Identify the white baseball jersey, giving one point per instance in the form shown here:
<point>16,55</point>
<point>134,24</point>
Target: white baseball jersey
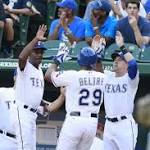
<point>119,94</point>
<point>84,94</point>
<point>29,85</point>
<point>84,89</point>
<point>29,91</point>
<point>8,118</point>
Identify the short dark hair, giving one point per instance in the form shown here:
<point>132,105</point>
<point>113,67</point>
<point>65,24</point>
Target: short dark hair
<point>137,2</point>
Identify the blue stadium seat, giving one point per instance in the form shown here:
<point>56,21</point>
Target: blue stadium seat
<point>131,47</point>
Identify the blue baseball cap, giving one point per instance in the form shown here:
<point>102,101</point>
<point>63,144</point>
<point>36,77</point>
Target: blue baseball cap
<point>71,4</point>
<point>147,6</point>
<point>101,4</point>
<point>117,53</point>
<point>39,45</point>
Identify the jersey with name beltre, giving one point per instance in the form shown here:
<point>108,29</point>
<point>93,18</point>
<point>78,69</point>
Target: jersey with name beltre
<point>119,94</point>
<point>84,89</point>
<point>29,85</point>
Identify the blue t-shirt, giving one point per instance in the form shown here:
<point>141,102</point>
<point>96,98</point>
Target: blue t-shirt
<point>77,26</point>
<point>127,32</point>
<point>108,29</point>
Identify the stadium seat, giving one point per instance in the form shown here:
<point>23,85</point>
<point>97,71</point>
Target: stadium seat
<point>24,22</point>
<point>51,12</point>
<point>77,48</point>
<point>145,55</point>
<point>52,48</point>
<point>131,47</point>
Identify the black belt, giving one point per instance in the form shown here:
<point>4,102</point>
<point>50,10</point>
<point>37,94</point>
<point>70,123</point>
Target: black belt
<point>31,109</point>
<point>7,134</point>
<point>116,119</point>
<point>77,113</point>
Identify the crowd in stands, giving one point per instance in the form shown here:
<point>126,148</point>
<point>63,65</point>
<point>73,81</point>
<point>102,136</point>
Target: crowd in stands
<point>101,17</point>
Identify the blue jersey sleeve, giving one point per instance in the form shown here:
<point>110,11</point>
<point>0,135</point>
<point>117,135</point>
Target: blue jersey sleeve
<point>132,69</point>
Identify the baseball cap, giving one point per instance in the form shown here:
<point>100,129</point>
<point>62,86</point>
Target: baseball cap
<point>117,53</point>
<point>71,4</point>
<point>39,45</point>
<point>101,4</point>
<point>147,6</point>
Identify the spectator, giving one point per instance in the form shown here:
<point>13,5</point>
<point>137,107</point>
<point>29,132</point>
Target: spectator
<point>68,27</point>
<point>8,33</point>
<point>119,9</point>
<point>134,28</point>
<point>36,9</point>
<point>88,10</point>
<point>100,23</point>
<point>13,9</point>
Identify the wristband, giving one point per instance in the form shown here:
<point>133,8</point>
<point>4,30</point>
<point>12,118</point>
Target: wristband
<point>124,50</point>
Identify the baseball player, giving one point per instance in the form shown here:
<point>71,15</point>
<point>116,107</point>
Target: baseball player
<point>83,99</point>
<point>29,90</point>
<point>7,116</point>
<point>120,132</point>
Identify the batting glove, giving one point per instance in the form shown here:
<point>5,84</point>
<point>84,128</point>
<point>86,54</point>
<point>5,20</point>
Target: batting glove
<point>98,44</point>
<point>62,54</point>
<point>41,111</point>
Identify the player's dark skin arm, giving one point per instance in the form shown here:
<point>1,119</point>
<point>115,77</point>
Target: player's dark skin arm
<point>28,49</point>
<point>53,67</point>
<point>55,105</point>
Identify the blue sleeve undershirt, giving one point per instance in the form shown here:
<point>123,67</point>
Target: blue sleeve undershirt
<point>132,69</point>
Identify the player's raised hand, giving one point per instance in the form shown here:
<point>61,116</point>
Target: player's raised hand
<point>119,39</point>
<point>41,32</point>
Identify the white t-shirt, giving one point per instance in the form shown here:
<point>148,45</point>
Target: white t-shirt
<point>29,86</point>
<point>7,115</point>
<point>84,89</point>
